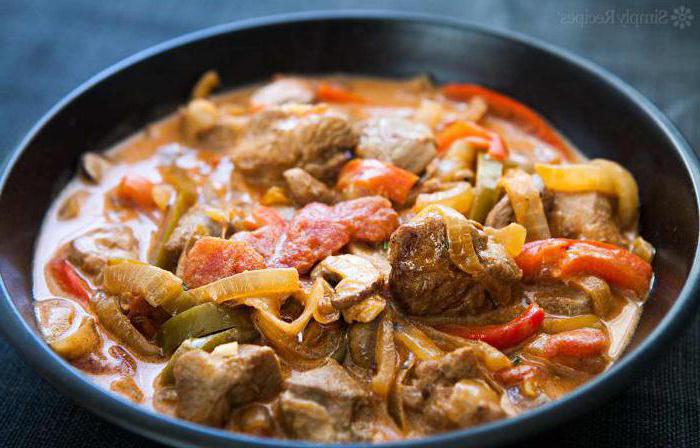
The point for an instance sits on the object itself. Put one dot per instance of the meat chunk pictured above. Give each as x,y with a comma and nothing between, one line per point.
406,144
283,91
277,140
209,385
319,404
192,224
91,251
586,216
557,298
449,393
425,280
304,188
501,214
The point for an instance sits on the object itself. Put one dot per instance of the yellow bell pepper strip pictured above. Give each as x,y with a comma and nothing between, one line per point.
369,177
475,134
565,258
459,197
505,335
508,108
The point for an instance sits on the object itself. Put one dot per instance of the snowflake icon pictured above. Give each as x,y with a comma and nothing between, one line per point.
682,17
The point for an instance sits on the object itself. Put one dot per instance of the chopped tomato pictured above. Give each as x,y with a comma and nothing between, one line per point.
333,93
580,343
314,233
560,257
270,226
68,279
318,230
505,335
369,177
136,191
475,134
369,219
511,376
509,108
211,259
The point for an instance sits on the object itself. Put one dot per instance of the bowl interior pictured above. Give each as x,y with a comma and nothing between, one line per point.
593,113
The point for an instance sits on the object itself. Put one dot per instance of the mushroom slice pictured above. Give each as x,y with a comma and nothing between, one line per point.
68,332
94,166
355,279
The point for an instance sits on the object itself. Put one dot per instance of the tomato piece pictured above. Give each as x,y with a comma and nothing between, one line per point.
211,259
475,134
505,335
314,233
560,257
580,343
369,177
510,376
369,219
270,228
333,93
67,278
508,108
135,190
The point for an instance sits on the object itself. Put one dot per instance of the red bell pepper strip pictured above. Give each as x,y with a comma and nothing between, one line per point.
68,279
580,343
509,108
479,136
505,335
333,93
137,191
369,177
562,258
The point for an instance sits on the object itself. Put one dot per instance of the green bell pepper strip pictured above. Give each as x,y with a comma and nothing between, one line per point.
488,173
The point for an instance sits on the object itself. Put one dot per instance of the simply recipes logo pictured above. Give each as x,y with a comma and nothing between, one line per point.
680,17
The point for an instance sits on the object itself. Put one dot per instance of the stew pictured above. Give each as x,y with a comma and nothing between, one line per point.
343,259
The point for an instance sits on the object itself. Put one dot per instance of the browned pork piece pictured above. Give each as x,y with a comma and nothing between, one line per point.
406,144
586,216
449,393
501,214
425,280
276,140
557,298
91,251
327,405
194,223
210,385
304,188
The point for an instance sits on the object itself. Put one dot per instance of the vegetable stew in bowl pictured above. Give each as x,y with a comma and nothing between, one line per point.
343,259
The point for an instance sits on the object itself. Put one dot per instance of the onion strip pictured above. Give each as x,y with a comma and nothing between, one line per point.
385,356
459,237
258,283
527,204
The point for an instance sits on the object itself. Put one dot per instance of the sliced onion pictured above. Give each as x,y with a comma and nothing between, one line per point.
459,197
626,190
490,356
416,341
527,204
365,311
459,237
154,284
113,320
267,316
385,358
325,312
259,283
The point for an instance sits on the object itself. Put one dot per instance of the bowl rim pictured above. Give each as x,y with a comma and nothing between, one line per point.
137,418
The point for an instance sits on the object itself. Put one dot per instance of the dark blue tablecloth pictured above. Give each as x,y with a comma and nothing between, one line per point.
47,47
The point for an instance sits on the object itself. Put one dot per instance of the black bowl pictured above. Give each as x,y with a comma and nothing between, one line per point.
598,112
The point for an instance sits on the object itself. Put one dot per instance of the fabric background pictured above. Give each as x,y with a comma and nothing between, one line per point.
48,47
